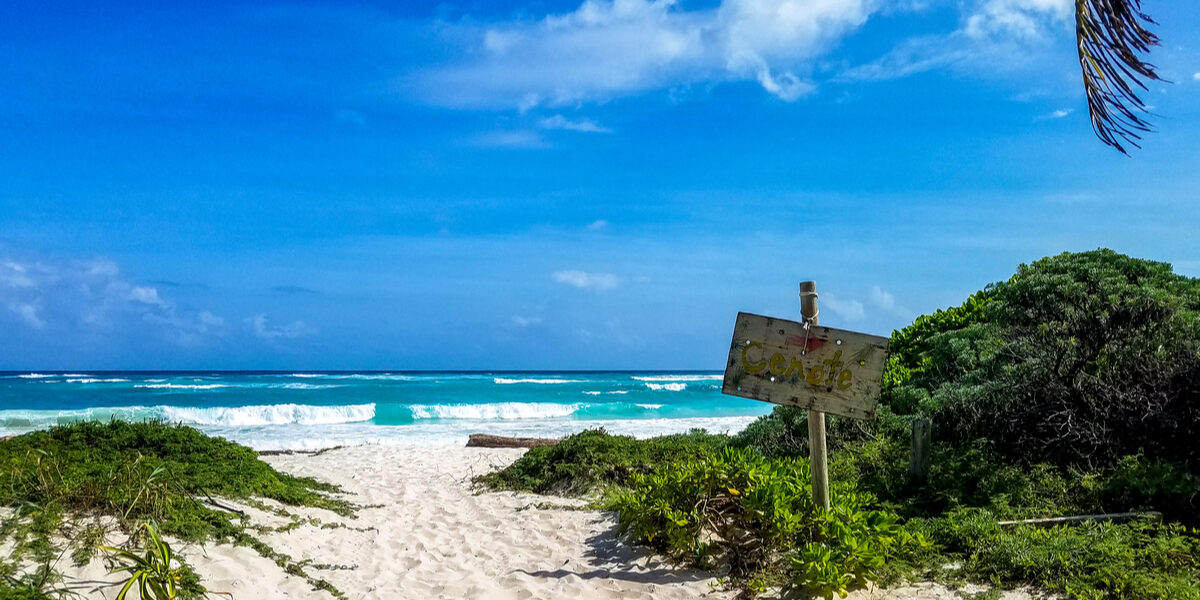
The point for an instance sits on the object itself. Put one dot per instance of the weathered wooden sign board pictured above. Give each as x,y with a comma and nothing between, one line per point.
818,368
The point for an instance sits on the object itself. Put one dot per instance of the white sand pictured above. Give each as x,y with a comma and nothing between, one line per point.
433,535
439,537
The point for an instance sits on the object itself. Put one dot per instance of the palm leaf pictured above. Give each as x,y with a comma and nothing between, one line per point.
1112,35
125,589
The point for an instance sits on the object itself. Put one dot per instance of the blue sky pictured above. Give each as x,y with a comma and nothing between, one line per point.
547,185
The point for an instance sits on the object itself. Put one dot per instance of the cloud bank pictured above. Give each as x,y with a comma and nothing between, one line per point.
93,299
607,49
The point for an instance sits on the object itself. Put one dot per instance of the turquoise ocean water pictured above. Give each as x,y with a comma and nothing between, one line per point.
307,410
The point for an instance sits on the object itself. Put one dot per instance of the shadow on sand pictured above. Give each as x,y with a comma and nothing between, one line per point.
611,558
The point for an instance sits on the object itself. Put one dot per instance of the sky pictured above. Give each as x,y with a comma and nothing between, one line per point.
547,184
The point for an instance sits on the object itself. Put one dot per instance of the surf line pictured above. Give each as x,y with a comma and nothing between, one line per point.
827,373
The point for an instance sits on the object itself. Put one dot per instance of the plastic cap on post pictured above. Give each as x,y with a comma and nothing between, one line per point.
808,300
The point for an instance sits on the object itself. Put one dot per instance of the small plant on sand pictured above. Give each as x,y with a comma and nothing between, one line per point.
152,571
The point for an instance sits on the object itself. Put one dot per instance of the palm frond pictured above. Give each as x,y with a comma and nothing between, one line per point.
1112,36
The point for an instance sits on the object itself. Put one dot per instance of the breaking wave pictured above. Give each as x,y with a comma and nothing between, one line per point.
180,386
493,411
678,377
670,387
233,416
270,414
503,381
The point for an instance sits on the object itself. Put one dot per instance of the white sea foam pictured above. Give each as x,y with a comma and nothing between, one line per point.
180,386
35,376
594,393
270,414
15,421
650,406
307,375
299,437
504,380
93,380
305,386
376,377
670,387
493,411
19,421
678,377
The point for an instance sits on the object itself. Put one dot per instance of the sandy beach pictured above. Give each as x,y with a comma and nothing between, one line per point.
428,532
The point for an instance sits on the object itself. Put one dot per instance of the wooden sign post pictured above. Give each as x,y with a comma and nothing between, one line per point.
821,369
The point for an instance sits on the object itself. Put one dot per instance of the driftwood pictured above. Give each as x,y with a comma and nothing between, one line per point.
483,440
291,452
1066,520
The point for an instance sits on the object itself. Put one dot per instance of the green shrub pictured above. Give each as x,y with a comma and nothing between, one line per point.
158,573
1078,359
757,516
588,460
1141,560
140,471
134,472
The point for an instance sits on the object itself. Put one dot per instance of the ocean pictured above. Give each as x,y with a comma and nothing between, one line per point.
315,409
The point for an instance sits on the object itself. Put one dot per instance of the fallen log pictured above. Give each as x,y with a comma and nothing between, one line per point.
483,440
1077,519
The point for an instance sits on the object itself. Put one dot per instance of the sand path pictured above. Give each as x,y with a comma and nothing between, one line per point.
429,533
438,537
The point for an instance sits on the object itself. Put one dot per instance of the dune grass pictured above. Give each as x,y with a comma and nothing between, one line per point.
63,485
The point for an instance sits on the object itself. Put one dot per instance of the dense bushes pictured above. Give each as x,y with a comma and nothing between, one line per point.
1142,560
592,459
1078,359
757,516
1071,388
140,471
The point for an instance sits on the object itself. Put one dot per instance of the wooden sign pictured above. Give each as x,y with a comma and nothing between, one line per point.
818,368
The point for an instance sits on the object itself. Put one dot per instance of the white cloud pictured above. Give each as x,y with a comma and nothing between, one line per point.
581,125
93,298
995,36
585,280
613,48
147,295
883,299
1196,76
1021,18
845,310
1058,114
210,319
521,321
509,139
262,328
13,275
886,302
28,313
598,225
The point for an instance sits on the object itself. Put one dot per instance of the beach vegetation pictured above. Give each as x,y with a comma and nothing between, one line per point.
1072,388
593,460
70,486
756,517
157,572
